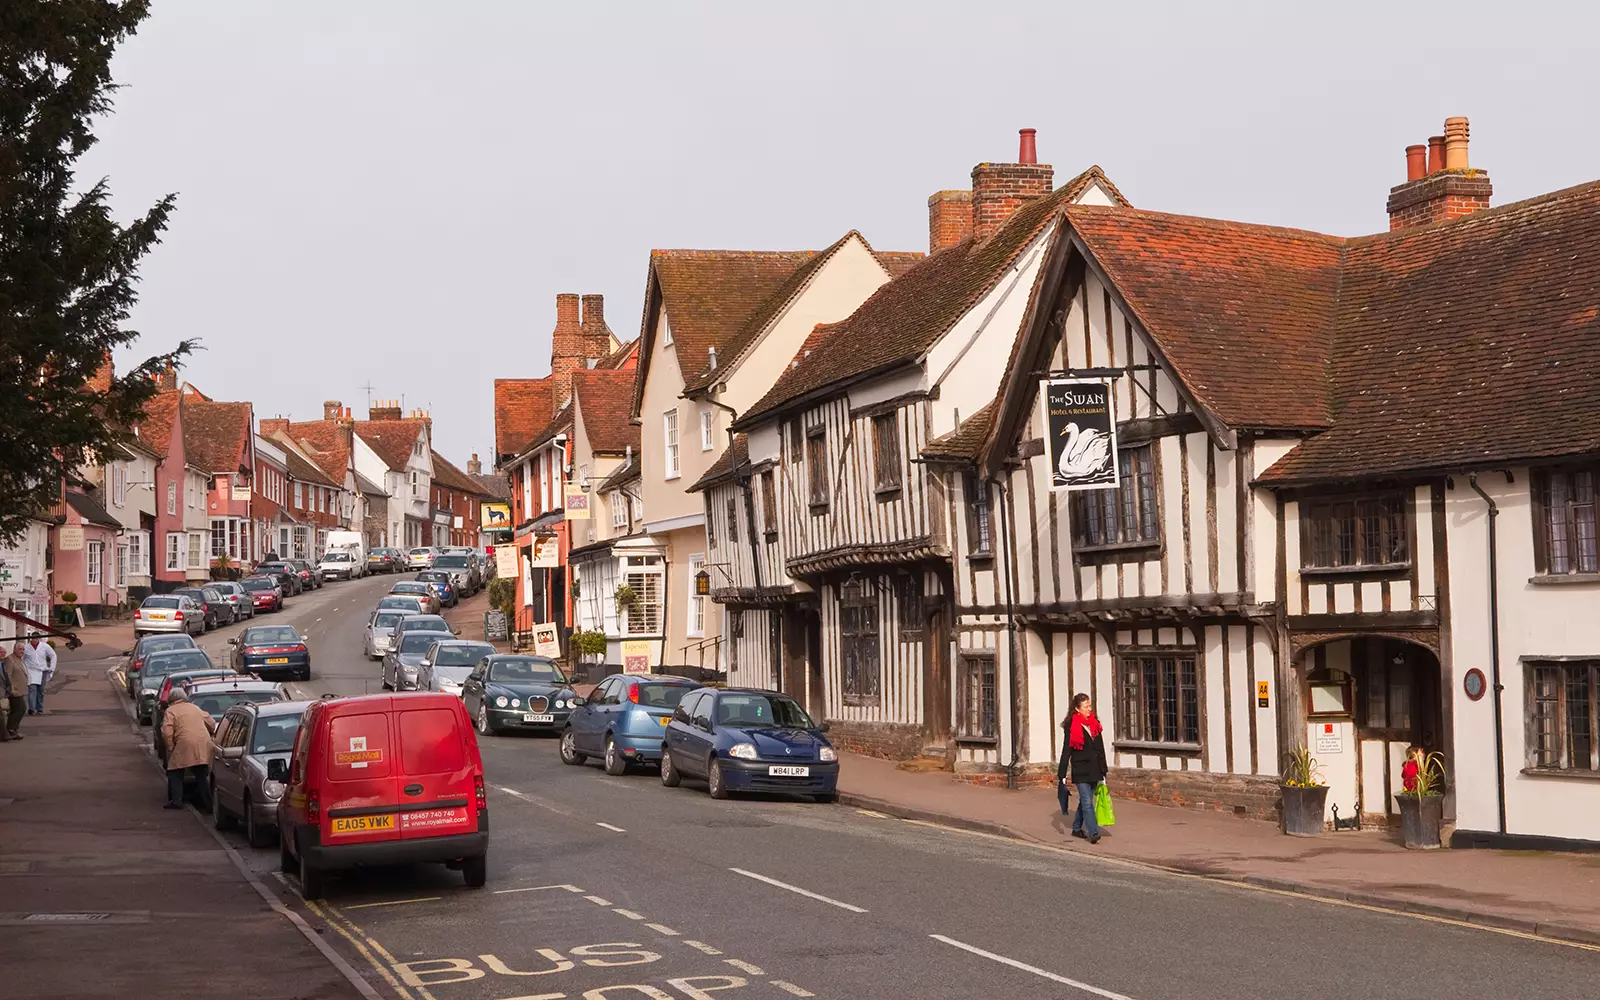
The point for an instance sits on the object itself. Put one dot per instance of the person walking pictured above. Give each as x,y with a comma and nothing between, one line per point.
1084,754
39,659
187,730
14,686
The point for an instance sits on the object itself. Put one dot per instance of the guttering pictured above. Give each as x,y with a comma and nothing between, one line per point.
1011,632
1494,652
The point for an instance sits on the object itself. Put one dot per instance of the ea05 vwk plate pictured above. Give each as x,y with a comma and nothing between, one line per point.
789,771
361,824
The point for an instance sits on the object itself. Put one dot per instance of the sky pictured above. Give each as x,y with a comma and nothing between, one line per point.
391,193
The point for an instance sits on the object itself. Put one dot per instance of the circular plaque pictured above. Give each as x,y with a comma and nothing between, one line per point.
1475,684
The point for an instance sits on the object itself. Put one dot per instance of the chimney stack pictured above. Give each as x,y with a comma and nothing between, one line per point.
271,425
949,219
384,409
331,409
474,467
597,335
999,189
566,350
1448,188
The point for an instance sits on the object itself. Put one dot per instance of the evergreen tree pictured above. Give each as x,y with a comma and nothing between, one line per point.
67,268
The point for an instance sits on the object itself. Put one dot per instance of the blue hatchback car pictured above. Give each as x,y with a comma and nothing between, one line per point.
623,720
747,740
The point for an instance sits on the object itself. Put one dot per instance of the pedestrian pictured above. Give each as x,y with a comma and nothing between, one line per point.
187,729
1408,770
1084,754
39,658
14,685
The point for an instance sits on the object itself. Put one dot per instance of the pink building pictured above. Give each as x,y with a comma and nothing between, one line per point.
85,547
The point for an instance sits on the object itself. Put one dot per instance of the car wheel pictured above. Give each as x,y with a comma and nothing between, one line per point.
569,748
485,727
286,862
386,685
716,784
616,764
305,674
669,773
254,835
310,880
219,816
475,871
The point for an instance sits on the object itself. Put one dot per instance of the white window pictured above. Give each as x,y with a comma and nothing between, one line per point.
235,536
670,419
644,614
95,556
299,495
197,549
136,553
219,537
708,427
174,551
283,544
119,484
172,498
638,508
619,509
122,565
666,331
697,604
322,540
413,484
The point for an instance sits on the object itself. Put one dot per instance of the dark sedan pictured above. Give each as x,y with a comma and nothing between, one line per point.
507,691
742,740
143,648
288,578
210,602
154,674
442,585
310,579
383,561
404,658
272,650
264,591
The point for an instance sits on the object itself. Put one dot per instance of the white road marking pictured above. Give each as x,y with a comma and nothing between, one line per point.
662,929
596,900
536,888
394,902
614,829
1063,980
874,814
619,911
754,970
797,890
791,988
702,947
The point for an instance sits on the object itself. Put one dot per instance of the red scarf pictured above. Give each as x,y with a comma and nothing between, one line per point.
1075,729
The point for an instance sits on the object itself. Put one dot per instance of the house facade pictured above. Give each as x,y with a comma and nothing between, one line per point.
126,487
84,548
392,451
271,524
219,438
25,584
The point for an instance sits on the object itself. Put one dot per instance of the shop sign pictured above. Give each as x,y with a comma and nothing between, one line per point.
505,561
576,503
72,538
636,656
1082,433
546,642
495,515
546,552
1330,738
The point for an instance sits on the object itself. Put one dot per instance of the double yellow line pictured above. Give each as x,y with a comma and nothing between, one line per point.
368,948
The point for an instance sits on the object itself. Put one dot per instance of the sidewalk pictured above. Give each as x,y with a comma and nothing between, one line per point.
1552,894
104,893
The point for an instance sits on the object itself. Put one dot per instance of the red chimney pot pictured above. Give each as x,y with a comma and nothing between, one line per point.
1027,152
1416,162
1435,153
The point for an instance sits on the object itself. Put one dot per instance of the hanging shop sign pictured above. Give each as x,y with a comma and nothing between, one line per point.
1082,433
576,503
505,561
545,640
546,552
495,515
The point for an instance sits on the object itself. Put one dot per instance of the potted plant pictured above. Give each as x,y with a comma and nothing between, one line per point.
625,598
1422,808
1304,794
69,607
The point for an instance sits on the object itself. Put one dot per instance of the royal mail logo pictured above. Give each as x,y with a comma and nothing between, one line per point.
358,755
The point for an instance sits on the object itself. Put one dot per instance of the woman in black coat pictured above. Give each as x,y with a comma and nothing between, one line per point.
1084,754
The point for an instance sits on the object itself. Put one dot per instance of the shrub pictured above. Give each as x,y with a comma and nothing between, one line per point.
503,595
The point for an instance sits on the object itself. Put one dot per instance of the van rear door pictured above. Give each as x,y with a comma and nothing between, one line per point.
436,769
361,804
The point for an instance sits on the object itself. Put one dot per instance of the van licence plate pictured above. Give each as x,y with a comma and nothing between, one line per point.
362,824
788,771
277,659
538,718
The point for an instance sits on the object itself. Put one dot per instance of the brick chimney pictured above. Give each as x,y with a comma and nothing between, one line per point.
271,425
998,189
332,409
384,409
474,467
103,376
566,350
949,219
596,334
1440,184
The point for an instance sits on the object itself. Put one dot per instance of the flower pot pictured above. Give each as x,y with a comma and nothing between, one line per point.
1303,810
1420,816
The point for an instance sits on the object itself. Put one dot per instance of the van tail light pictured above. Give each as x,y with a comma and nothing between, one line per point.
313,808
479,794
633,693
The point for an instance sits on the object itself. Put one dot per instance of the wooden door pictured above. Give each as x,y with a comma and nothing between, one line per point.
936,677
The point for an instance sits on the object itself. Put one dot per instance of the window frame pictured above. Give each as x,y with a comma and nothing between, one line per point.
708,428
816,459
695,626
654,607
910,605
175,552
94,556
123,562
1132,664
979,494
860,628
1539,493
888,475
673,467
733,520
1561,722
619,509
1320,543
977,706
197,549
1138,493
769,504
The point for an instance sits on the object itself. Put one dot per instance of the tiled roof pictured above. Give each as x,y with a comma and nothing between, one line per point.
393,440
627,474
215,434
966,441
898,262
328,443
521,407
90,511
307,472
625,356
733,458
906,316
492,486
604,398
447,475
155,430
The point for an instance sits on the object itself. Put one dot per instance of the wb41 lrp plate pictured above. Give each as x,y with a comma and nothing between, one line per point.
362,824
788,771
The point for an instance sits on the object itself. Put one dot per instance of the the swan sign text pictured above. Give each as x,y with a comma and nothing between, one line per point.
1082,431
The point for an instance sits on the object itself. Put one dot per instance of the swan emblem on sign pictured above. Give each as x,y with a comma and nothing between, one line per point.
1085,452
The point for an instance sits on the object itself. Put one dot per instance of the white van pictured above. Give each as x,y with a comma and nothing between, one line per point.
349,542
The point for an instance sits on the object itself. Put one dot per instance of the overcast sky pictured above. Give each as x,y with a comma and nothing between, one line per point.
391,192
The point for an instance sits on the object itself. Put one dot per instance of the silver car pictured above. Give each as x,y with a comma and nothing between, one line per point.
169,613
250,766
376,636
419,590
421,557
463,575
447,664
235,597
404,658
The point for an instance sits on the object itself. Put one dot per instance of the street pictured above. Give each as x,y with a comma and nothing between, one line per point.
602,886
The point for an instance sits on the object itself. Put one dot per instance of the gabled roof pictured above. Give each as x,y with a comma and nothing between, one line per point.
625,356
393,440
90,511
521,407
559,424
307,472
495,487
908,315
327,441
603,399
155,430
215,435
447,475
728,464
965,442
368,487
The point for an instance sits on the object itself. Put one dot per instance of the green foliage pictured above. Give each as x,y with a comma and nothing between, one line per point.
502,595
69,597
588,643
1300,769
1430,776
625,598
68,270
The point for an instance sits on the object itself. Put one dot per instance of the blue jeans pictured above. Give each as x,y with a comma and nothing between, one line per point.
1084,819
36,697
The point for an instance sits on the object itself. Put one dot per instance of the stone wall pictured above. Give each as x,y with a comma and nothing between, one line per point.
877,739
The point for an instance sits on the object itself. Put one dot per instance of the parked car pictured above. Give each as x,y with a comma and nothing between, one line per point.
310,579
266,593
215,695
154,675
384,560
238,599
142,649
176,680
338,565
442,585
404,659
420,557
747,740
169,613
423,623
463,574
287,576
271,650
511,691
417,588
376,636
623,720
403,602
445,666
345,806
209,611
249,765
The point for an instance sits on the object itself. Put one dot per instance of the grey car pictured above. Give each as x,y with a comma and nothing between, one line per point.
463,575
250,765
237,598
445,667
404,658
403,602
380,629
169,613
421,591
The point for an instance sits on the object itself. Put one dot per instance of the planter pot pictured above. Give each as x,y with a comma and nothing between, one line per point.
1303,810
1420,817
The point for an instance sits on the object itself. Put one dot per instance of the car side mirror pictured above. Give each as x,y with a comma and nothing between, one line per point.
304,639
233,642
427,663
579,702
232,753
455,631
277,770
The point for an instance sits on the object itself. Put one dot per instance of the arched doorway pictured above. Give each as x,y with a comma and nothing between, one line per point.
1367,699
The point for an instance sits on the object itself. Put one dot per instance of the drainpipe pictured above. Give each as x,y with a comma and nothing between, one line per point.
1494,651
1011,635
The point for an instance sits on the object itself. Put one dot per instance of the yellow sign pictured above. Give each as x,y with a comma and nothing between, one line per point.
495,514
545,640
546,552
1261,694
576,502
636,656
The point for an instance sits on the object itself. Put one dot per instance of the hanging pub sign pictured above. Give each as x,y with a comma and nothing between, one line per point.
1082,432
546,552
576,503
546,641
495,515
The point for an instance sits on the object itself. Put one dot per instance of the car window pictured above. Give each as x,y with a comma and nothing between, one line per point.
160,602
212,594
217,702
761,711
702,711
461,655
386,619
605,694
274,734
266,634
656,695
417,642
430,742
169,661
158,643
257,583
403,603
450,562
423,623
224,730
685,707
525,668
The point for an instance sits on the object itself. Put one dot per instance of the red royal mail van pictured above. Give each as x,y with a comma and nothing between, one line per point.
383,779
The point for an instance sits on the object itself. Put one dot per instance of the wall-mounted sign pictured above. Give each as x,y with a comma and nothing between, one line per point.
1082,434
576,502
72,538
636,656
495,514
460,522
240,491
1330,738
505,562
10,575
1262,690
546,642
1475,684
546,552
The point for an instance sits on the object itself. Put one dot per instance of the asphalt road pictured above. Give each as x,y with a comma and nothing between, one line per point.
617,887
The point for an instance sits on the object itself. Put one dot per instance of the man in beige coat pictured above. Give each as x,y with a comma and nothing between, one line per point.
187,730
14,689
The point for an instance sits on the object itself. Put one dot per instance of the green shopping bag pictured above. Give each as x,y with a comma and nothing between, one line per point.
1103,813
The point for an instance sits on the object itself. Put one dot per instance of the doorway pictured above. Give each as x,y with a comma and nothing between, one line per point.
816,705
936,708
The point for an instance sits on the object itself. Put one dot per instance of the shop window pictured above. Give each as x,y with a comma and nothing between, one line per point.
94,557
219,537
197,549
644,614
980,517
1564,715
976,710
886,452
1564,522
1355,533
1159,700
858,646
1125,516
